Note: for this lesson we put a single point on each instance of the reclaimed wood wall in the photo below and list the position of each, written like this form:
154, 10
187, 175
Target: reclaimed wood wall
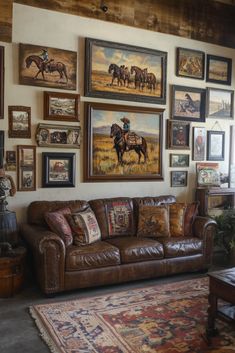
205, 20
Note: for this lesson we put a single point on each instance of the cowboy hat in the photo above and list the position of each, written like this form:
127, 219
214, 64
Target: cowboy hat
125, 120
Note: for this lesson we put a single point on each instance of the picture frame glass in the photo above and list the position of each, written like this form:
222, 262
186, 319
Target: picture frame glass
58, 170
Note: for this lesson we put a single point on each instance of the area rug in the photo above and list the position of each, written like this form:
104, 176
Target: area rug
165, 318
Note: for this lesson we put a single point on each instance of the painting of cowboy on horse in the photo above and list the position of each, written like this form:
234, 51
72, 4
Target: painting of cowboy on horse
50, 67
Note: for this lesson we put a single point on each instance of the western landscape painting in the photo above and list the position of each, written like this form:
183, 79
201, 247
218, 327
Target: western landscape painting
220, 103
219, 69
123, 143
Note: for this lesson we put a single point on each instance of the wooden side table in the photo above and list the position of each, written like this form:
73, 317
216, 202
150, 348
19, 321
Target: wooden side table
12, 273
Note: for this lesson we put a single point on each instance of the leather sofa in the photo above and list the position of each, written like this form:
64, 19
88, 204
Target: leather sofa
111, 260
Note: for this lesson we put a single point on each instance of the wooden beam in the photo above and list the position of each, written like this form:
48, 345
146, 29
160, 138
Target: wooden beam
6, 20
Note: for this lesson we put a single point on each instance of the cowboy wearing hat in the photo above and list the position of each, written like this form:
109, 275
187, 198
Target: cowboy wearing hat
126, 129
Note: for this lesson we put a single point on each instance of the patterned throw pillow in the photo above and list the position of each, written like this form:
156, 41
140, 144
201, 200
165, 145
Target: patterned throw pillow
120, 218
190, 214
153, 221
177, 215
84, 226
58, 224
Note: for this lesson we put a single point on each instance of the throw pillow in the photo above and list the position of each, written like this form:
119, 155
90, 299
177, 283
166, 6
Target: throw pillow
58, 224
153, 221
120, 217
190, 214
84, 226
177, 215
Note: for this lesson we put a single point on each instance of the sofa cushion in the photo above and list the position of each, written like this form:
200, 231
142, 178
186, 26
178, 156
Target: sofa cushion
137, 249
84, 227
153, 221
99, 254
177, 217
59, 225
190, 214
181, 246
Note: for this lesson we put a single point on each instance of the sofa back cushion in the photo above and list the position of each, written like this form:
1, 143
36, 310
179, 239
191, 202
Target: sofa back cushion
114, 216
153, 221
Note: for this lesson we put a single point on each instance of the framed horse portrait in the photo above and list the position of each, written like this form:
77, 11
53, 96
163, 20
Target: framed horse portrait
47, 67
122, 143
1, 82
120, 71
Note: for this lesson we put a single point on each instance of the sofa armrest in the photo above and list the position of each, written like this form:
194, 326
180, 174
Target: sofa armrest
205, 228
48, 252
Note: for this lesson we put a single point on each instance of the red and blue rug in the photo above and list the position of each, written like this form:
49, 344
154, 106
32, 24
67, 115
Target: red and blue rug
165, 318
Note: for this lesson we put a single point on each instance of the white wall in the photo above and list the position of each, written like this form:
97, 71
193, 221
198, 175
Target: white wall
53, 29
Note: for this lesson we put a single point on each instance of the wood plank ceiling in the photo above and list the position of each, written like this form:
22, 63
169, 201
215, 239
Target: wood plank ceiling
210, 21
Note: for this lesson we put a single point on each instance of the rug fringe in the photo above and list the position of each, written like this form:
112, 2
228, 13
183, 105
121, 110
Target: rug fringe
43, 333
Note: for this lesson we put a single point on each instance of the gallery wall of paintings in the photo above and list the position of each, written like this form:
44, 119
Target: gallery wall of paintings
96, 109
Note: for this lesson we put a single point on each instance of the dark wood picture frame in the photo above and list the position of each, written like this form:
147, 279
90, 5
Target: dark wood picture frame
58, 169
2, 74
178, 160
26, 168
178, 134
115, 78
107, 159
218, 69
220, 103
2, 146
61, 106
179, 178
53, 135
19, 119
215, 145
199, 143
188, 103
190, 63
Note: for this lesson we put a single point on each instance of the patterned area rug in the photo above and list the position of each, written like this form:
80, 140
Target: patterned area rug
169, 318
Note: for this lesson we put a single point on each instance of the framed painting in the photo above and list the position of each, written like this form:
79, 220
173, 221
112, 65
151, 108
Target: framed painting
66, 136
179, 160
2, 82
120, 71
61, 106
218, 69
188, 103
58, 169
215, 145
26, 168
2, 142
220, 103
199, 143
190, 63
122, 143
48, 67
10, 161
19, 119
178, 134
179, 178
208, 174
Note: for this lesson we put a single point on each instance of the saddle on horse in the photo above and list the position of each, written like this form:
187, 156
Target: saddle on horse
132, 139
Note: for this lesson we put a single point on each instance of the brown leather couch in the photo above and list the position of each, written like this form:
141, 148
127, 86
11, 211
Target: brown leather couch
108, 261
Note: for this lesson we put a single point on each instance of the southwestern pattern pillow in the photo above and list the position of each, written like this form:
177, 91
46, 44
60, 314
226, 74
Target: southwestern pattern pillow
120, 218
58, 224
84, 227
177, 215
153, 221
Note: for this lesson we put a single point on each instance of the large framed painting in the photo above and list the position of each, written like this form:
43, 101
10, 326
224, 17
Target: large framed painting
1, 82
61, 106
122, 143
220, 103
188, 103
190, 63
48, 67
215, 145
219, 70
120, 71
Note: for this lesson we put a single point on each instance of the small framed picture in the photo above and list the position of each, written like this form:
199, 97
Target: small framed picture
218, 70
19, 121
188, 103
53, 135
2, 50
215, 145
190, 63
26, 168
179, 160
10, 161
58, 169
178, 134
220, 103
208, 174
179, 178
61, 106
199, 143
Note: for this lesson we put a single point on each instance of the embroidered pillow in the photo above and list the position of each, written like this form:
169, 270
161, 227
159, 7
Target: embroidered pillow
177, 214
153, 221
190, 214
84, 227
120, 217
58, 224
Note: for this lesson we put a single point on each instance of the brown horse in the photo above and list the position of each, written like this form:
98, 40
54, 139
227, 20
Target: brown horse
48, 67
120, 144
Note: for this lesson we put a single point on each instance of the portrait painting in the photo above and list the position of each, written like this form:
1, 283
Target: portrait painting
190, 63
120, 71
199, 143
219, 70
46, 66
122, 143
220, 103
178, 134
